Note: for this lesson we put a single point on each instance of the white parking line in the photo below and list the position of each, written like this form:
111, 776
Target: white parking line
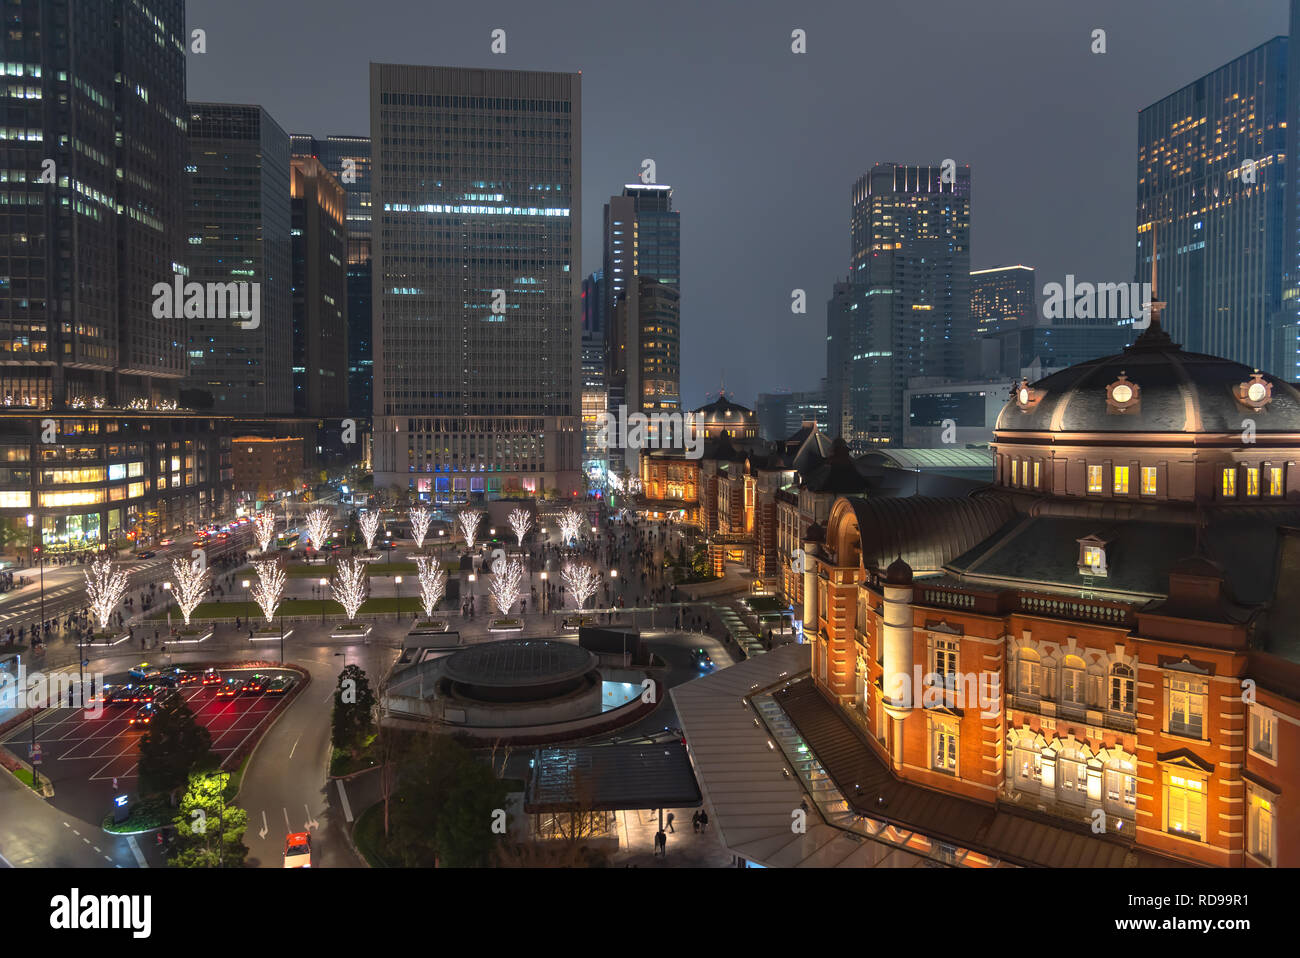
343, 797
135, 850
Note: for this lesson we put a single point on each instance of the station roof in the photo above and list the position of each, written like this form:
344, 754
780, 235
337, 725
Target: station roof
611, 778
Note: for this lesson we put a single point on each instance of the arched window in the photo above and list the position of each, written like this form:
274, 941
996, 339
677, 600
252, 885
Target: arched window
1073, 681
1029, 673
1121, 688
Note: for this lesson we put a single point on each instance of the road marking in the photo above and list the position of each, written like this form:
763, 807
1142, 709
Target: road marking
74, 831
135, 850
98, 849
286, 819
295, 746
343, 797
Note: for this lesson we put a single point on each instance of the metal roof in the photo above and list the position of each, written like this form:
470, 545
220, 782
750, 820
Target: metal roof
931, 459
743, 776
611, 778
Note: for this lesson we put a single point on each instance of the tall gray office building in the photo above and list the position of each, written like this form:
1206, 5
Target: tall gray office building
238, 224
476, 183
348, 158
1211, 185
642, 285
908, 311
1003, 299
93, 211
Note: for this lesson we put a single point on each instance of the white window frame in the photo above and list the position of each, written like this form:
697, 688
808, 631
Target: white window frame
1197, 691
1257, 845
1257, 715
1182, 786
945, 746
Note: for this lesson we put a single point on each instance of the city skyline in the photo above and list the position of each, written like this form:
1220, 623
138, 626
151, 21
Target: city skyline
1081, 107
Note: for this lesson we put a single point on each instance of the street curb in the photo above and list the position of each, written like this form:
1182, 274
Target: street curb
281, 708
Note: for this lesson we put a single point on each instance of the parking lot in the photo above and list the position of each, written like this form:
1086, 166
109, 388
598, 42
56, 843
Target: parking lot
78, 748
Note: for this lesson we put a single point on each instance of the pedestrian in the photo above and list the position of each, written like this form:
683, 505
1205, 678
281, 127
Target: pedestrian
661, 843
670, 822
695, 821
704, 821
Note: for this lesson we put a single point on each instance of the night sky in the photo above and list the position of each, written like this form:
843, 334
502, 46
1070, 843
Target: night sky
761, 146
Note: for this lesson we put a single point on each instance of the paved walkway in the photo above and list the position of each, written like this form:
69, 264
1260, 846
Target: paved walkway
686, 848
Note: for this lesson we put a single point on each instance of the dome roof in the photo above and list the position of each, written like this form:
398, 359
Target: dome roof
723, 412
899, 573
1175, 391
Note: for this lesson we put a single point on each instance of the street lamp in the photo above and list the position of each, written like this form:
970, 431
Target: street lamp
323, 584
31, 524
544, 596
398, 614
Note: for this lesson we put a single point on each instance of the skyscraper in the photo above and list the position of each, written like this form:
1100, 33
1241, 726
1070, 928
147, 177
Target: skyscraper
1002, 299
1211, 182
642, 286
92, 221
910, 303
239, 226
477, 189
320, 334
94, 206
348, 158
595, 392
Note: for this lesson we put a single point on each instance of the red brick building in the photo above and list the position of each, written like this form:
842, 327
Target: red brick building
1105, 640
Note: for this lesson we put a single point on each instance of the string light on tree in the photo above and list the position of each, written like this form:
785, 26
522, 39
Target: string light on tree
582, 580
105, 587
507, 578
521, 521
319, 522
192, 582
420, 525
469, 520
264, 529
433, 583
349, 586
370, 528
570, 523
269, 588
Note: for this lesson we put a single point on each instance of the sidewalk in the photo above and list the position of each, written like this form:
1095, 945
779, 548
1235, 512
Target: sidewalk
686, 848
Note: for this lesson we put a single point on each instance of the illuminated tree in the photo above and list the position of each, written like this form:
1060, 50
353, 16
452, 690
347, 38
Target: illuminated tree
105, 587
370, 528
264, 529
571, 522
433, 583
319, 523
582, 580
615, 481
349, 586
420, 525
521, 520
507, 577
469, 520
269, 588
191, 586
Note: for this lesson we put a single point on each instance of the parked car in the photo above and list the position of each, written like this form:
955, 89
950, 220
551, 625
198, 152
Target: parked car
230, 688
280, 685
212, 677
144, 714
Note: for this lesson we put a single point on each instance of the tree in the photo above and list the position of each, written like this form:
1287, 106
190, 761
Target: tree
582, 580
354, 702
350, 585
174, 746
192, 582
319, 522
369, 522
433, 583
521, 520
105, 587
269, 588
507, 577
420, 525
445, 807
469, 520
209, 832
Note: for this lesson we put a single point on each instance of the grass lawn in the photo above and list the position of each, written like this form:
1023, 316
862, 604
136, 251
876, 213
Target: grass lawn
368, 833
24, 776
765, 603
410, 604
